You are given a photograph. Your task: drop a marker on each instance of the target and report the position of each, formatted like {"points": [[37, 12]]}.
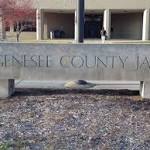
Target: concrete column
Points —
{"points": [[46, 30], [145, 89], [107, 22], [2, 26], [39, 24], [7, 88], [79, 21], [146, 23], [11, 27], [75, 26]]}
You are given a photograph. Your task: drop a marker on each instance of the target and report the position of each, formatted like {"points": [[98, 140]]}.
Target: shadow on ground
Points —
{"points": [[40, 92]]}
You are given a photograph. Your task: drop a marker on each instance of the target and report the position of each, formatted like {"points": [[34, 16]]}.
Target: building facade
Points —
{"points": [[122, 19]]}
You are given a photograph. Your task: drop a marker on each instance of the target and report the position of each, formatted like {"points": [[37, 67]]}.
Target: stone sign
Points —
{"points": [[127, 62]]}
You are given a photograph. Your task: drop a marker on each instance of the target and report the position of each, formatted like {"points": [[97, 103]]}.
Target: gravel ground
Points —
{"points": [[74, 120]]}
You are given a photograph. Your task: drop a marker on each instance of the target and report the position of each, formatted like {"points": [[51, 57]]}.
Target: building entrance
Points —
{"points": [[93, 25]]}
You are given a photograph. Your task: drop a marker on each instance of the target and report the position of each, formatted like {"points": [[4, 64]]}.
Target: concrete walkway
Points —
{"points": [[26, 39], [134, 85]]}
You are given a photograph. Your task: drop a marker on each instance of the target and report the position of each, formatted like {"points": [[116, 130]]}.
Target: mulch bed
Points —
{"points": [[75, 120]]}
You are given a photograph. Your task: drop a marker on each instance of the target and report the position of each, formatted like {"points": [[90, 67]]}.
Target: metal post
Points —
{"points": [[80, 22]]}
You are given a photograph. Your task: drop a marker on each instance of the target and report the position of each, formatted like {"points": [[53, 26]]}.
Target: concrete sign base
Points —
{"points": [[7, 88], [145, 89]]}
